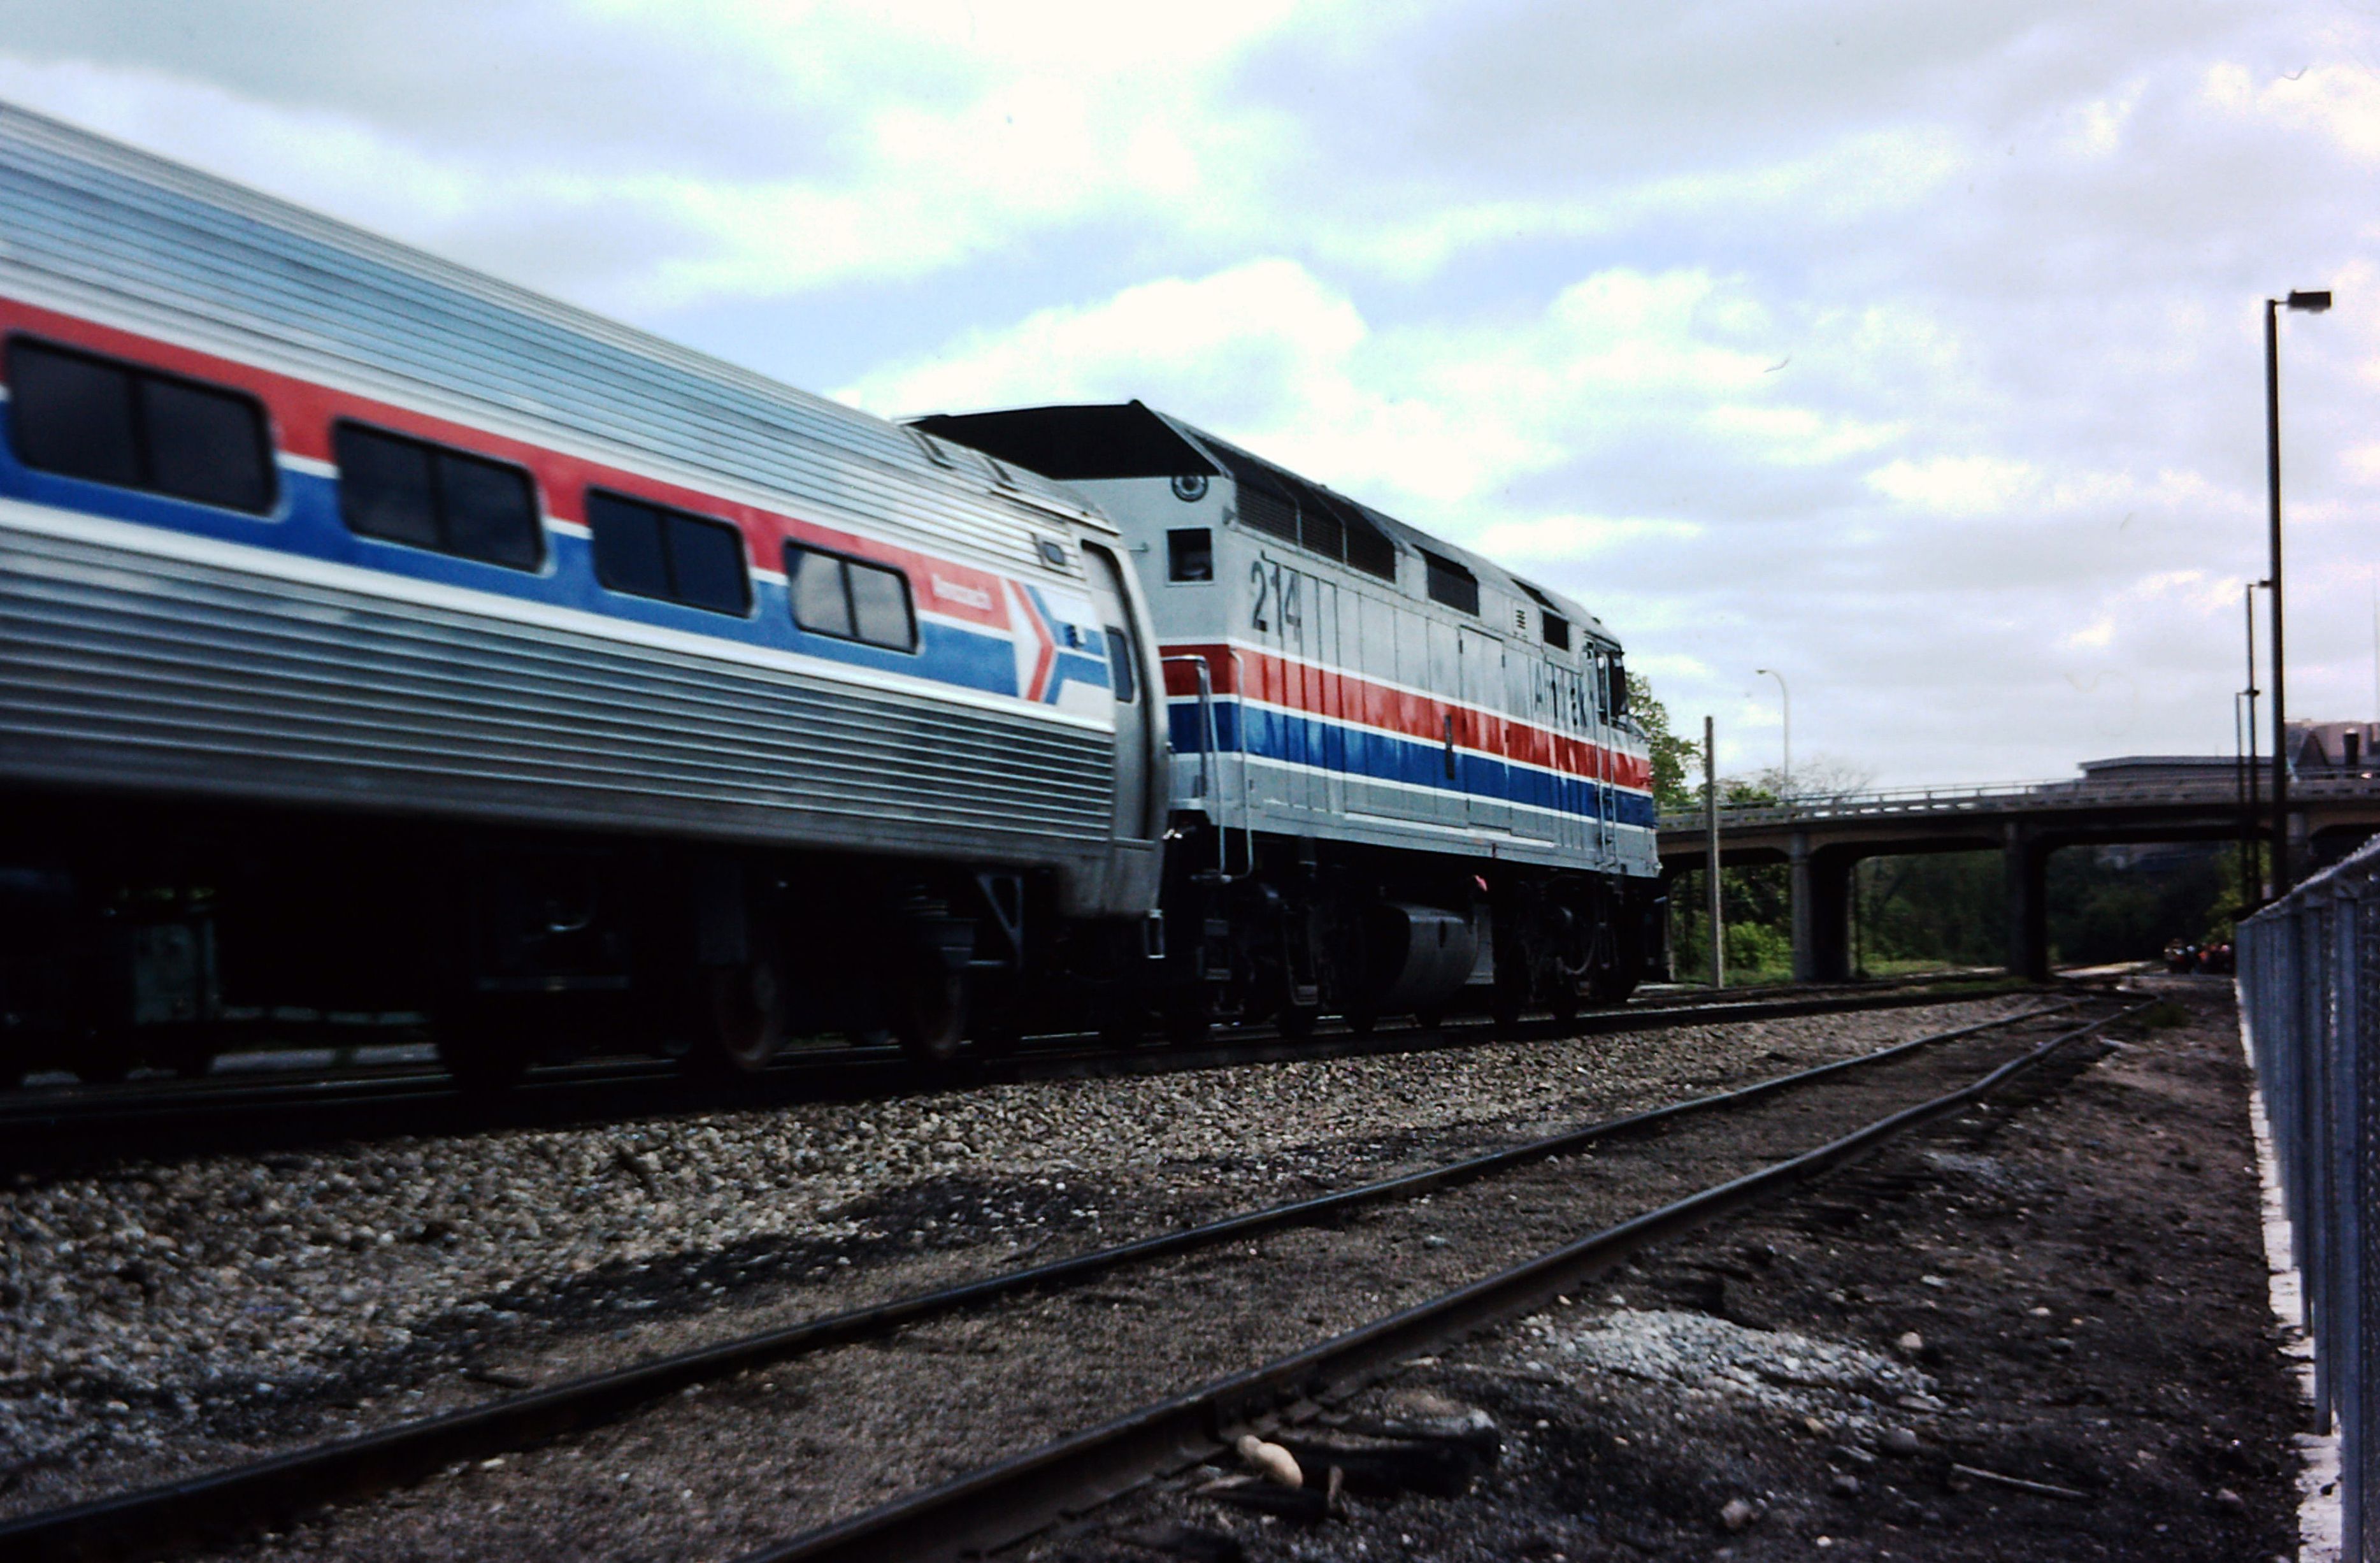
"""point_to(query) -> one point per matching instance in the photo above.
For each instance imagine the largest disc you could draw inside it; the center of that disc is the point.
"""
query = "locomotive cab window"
(850, 599)
(402, 490)
(1190, 555)
(648, 551)
(1120, 673)
(91, 417)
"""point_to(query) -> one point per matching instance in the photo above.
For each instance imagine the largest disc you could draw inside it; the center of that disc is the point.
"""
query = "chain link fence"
(2310, 995)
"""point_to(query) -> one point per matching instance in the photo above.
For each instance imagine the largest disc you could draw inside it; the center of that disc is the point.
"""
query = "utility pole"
(1711, 847)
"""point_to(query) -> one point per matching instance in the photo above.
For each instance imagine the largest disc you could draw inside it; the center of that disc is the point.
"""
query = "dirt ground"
(2039, 1333)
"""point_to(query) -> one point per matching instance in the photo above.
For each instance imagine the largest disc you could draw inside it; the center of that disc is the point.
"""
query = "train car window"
(707, 563)
(879, 606)
(850, 599)
(650, 552)
(408, 491)
(205, 445)
(1119, 674)
(1557, 630)
(386, 487)
(1618, 688)
(821, 602)
(1190, 554)
(490, 510)
(1451, 583)
(90, 418)
(72, 416)
(626, 537)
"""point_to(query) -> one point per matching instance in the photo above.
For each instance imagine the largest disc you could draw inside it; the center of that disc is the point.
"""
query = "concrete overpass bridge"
(2133, 800)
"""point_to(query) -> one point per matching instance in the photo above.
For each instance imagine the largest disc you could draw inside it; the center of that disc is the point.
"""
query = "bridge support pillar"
(1822, 899)
(2027, 859)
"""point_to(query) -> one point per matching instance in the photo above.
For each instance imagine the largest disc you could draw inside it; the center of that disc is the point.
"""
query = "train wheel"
(1186, 1024)
(929, 1009)
(485, 1043)
(1297, 1021)
(102, 1060)
(189, 1059)
(1363, 1022)
(1430, 1020)
(749, 1006)
(1564, 1002)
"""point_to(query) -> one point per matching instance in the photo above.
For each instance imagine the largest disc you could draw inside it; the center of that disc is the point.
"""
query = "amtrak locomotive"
(379, 638)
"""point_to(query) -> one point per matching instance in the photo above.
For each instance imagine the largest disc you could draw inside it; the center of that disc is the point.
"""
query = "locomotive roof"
(95, 225)
(1085, 442)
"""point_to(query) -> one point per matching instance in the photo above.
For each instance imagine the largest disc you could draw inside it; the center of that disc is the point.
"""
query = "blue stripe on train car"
(306, 524)
(1371, 754)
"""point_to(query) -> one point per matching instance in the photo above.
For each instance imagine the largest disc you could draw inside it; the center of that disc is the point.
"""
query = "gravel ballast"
(160, 1319)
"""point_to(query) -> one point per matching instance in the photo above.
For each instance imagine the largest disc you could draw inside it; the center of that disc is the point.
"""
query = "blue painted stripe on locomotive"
(1377, 757)
(306, 523)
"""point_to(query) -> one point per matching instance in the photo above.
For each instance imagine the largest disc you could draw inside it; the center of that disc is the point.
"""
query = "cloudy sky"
(1913, 350)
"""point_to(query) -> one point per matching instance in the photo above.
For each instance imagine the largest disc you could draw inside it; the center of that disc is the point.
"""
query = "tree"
(1675, 760)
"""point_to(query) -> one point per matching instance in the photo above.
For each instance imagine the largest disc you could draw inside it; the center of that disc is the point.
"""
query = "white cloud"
(1960, 485)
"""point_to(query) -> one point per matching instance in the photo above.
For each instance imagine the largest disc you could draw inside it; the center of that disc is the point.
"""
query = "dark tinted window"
(1119, 674)
(384, 487)
(1190, 555)
(1450, 583)
(707, 563)
(1557, 631)
(90, 418)
(879, 606)
(205, 445)
(408, 491)
(72, 416)
(490, 510)
(650, 552)
(850, 599)
(1618, 689)
(627, 546)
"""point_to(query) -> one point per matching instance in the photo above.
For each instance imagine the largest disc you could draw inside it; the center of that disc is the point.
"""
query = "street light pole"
(2251, 867)
(2314, 303)
(1785, 699)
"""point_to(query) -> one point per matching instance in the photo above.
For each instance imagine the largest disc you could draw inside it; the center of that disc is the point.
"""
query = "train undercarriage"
(161, 933)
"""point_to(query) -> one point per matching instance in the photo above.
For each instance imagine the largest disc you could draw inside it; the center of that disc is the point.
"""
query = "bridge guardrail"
(2310, 1002)
(2004, 797)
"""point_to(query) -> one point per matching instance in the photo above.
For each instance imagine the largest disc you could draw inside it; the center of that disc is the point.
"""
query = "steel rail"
(38, 1129)
(226, 1502)
(972, 1515)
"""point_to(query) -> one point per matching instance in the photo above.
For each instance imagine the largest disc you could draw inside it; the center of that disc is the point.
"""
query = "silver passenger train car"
(375, 636)
(1399, 771)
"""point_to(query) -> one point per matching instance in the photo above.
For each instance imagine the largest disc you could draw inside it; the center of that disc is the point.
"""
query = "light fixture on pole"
(2313, 303)
(1785, 699)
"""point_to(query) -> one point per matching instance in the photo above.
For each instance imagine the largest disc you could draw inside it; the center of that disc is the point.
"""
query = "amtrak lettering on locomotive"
(378, 640)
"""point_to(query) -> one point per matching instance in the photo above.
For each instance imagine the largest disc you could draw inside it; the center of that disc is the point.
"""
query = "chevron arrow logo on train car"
(1036, 652)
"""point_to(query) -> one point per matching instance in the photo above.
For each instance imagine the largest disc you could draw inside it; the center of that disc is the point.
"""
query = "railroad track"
(46, 1127)
(1012, 1498)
